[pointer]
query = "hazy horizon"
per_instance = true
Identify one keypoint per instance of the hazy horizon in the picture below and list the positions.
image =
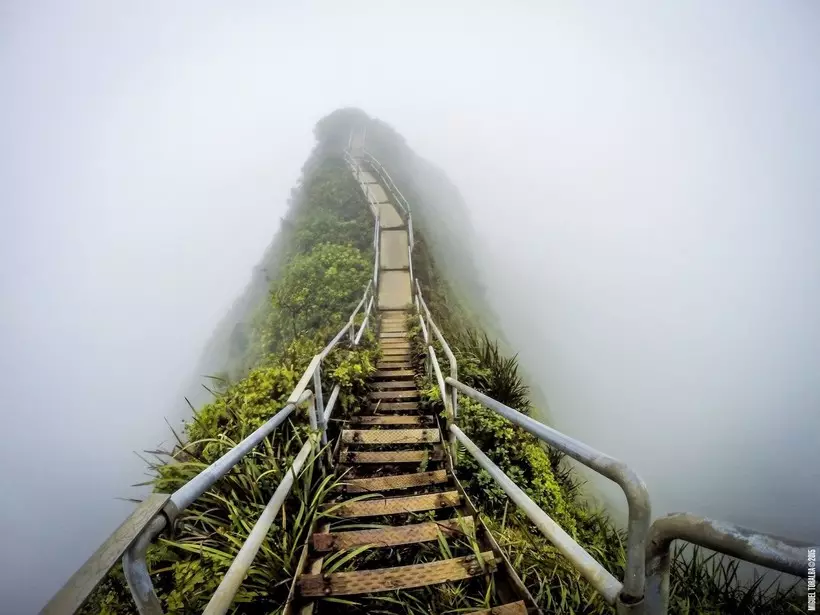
(643, 183)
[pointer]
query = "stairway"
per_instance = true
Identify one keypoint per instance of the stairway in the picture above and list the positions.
(400, 520)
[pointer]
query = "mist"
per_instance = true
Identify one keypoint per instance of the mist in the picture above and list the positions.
(642, 179)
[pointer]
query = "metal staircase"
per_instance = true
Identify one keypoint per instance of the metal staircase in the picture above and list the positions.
(396, 473)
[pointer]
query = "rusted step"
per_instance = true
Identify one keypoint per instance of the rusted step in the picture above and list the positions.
(393, 365)
(400, 577)
(394, 384)
(390, 436)
(387, 406)
(397, 506)
(514, 608)
(393, 536)
(393, 373)
(393, 420)
(393, 394)
(392, 483)
(385, 457)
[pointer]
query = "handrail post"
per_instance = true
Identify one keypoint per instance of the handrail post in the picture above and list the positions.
(320, 404)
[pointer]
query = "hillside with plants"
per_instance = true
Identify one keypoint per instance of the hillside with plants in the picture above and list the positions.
(303, 290)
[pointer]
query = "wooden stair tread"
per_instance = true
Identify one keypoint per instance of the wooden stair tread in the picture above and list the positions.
(393, 365)
(390, 436)
(397, 394)
(385, 457)
(394, 384)
(392, 335)
(400, 481)
(393, 373)
(513, 608)
(393, 536)
(394, 405)
(397, 506)
(397, 342)
(400, 577)
(396, 419)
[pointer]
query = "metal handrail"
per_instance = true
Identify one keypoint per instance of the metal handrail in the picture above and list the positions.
(767, 550)
(598, 576)
(634, 488)
(451, 358)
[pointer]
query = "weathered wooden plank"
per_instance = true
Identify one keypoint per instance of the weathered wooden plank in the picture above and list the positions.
(414, 394)
(390, 436)
(393, 420)
(393, 373)
(398, 506)
(398, 354)
(399, 342)
(514, 608)
(390, 483)
(394, 536)
(394, 384)
(393, 365)
(393, 335)
(387, 406)
(400, 577)
(385, 457)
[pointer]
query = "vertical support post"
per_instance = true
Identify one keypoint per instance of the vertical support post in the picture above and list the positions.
(319, 405)
(312, 413)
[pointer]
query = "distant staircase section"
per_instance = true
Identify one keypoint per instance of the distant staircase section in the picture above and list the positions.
(394, 277)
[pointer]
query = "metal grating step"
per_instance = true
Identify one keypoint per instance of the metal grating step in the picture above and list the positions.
(400, 577)
(394, 536)
(378, 484)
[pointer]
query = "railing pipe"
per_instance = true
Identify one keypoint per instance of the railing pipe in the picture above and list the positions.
(450, 356)
(634, 488)
(331, 402)
(364, 322)
(136, 569)
(767, 550)
(448, 409)
(223, 597)
(606, 584)
(320, 403)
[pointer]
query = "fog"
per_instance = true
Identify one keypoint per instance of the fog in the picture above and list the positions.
(643, 179)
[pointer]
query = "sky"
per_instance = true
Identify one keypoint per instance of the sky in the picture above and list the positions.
(642, 179)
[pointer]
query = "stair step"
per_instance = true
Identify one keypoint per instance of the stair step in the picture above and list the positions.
(400, 577)
(393, 394)
(385, 457)
(395, 342)
(390, 436)
(398, 355)
(513, 608)
(393, 335)
(393, 536)
(394, 384)
(393, 373)
(391, 483)
(393, 420)
(393, 328)
(386, 406)
(397, 506)
(392, 365)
